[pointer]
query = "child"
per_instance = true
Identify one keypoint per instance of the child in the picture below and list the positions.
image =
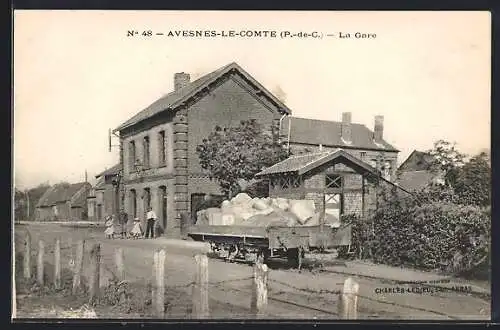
(110, 228)
(136, 231)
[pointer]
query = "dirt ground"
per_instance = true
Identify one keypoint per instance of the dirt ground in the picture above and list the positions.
(307, 294)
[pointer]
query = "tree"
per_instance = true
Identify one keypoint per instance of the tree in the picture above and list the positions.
(447, 159)
(468, 181)
(19, 205)
(34, 195)
(234, 153)
(473, 182)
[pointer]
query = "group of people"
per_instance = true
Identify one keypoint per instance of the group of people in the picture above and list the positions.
(136, 231)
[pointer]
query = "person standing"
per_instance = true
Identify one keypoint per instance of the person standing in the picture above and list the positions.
(123, 224)
(151, 218)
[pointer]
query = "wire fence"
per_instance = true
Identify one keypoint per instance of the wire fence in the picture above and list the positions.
(158, 287)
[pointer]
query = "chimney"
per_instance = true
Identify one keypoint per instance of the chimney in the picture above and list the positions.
(181, 79)
(346, 128)
(378, 129)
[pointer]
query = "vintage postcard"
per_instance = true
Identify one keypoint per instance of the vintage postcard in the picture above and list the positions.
(240, 165)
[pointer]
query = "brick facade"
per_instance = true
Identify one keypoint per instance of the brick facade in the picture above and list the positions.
(353, 198)
(187, 116)
(226, 103)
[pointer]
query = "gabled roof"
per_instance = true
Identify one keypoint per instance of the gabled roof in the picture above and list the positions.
(173, 99)
(328, 133)
(61, 193)
(417, 161)
(110, 171)
(415, 180)
(300, 164)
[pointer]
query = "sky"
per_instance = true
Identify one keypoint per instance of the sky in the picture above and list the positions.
(77, 74)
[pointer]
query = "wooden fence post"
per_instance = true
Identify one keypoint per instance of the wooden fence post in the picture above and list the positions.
(348, 301)
(200, 288)
(259, 289)
(77, 270)
(159, 284)
(153, 281)
(95, 262)
(120, 266)
(41, 253)
(27, 257)
(57, 264)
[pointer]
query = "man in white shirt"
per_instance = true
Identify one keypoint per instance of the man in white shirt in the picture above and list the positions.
(151, 217)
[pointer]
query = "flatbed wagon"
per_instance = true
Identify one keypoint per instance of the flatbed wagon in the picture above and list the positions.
(338, 183)
(251, 243)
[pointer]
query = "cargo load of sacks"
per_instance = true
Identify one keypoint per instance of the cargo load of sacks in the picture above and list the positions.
(243, 210)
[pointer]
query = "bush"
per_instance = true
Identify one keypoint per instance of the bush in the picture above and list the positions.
(430, 231)
(361, 234)
(436, 235)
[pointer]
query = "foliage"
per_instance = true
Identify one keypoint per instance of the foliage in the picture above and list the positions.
(473, 183)
(361, 234)
(442, 227)
(429, 231)
(211, 201)
(446, 158)
(21, 200)
(234, 153)
(258, 189)
(435, 235)
(122, 296)
(468, 181)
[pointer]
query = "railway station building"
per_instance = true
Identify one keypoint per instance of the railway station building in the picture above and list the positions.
(160, 167)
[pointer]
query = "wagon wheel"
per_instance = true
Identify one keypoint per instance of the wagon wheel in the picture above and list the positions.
(263, 256)
(231, 255)
(295, 256)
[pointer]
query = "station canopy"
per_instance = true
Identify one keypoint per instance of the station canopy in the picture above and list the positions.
(301, 164)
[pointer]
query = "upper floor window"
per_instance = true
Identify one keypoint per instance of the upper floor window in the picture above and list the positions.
(333, 181)
(387, 170)
(147, 199)
(131, 154)
(146, 151)
(362, 155)
(162, 148)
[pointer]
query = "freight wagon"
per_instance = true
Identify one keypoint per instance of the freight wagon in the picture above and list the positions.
(261, 243)
(338, 183)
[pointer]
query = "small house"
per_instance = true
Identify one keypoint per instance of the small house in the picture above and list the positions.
(416, 172)
(338, 182)
(104, 195)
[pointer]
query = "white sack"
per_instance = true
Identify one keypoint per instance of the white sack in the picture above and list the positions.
(303, 209)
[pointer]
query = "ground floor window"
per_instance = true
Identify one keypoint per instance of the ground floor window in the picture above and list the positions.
(99, 211)
(133, 203)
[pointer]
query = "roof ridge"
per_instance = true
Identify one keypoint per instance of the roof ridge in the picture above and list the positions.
(311, 153)
(324, 120)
